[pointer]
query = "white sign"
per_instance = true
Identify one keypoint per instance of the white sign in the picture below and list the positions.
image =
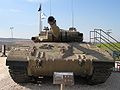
(66, 78)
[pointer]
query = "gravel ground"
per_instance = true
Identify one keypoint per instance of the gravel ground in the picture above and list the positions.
(6, 83)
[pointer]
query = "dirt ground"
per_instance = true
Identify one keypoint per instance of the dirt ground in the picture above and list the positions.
(6, 83)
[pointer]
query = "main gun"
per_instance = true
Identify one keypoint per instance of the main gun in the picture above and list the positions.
(54, 28)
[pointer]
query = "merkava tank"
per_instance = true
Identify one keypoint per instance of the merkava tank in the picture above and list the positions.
(57, 50)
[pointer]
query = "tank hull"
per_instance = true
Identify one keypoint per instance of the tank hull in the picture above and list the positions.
(29, 62)
(47, 68)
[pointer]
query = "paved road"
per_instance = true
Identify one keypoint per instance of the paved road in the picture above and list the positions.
(6, 83)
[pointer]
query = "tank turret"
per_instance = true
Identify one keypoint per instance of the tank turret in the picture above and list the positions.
(55, 34)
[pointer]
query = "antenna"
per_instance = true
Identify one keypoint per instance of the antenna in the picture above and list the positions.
(40, 22)
(72, 8)
(50, 7)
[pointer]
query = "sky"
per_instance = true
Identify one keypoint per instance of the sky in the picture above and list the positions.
(23, 15)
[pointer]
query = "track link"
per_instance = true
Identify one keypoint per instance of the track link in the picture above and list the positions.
(100, 75)
(19, 74)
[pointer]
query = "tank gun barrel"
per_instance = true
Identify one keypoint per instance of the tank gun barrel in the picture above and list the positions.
(54, 28)
(51, 20)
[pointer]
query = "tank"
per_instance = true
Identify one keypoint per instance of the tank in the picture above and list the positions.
(58, 50)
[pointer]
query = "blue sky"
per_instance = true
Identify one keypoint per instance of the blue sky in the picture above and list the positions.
(88, 14)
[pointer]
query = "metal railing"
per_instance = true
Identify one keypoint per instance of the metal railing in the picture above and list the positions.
(100, 36)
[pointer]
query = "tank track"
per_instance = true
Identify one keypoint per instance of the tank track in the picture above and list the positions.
(19, 74)
(100, 75)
